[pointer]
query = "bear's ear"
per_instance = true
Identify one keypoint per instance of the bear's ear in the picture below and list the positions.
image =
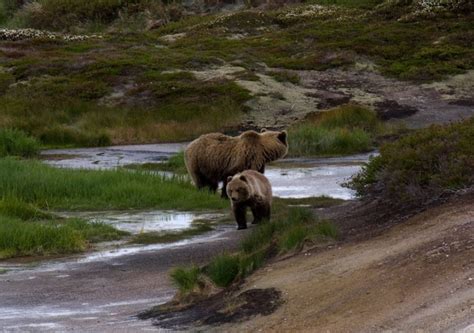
(229, 178)
(250, 136)
(243, 178)
(283, 136)
(263, 130)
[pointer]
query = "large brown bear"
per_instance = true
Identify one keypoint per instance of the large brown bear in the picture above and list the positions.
(213, 157)
(249, 189)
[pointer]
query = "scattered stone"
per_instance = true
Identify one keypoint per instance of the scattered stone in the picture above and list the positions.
(156, 24)
(463, 102)
(173, 37)
(21, 34)
(389, 109)
(330, 99)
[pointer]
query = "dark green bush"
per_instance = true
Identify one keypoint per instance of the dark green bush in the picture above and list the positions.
(17, 143)
(421, 167)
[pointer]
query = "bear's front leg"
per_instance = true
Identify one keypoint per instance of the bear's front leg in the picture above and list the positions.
(240, 211)
(260, 212)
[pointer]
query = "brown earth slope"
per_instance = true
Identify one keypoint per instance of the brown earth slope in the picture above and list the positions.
(416, 276)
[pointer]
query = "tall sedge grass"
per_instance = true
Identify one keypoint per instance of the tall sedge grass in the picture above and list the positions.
(19, 238)
(186, 279)
(14, 207)
(43, 237)
(287, 232)
(223, 269)
(17, 143)
(345, 130)
(47, 187)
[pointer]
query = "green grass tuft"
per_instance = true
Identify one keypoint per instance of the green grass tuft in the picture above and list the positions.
(14, 207)
(186, 279)
(17, 143)
(223, 269)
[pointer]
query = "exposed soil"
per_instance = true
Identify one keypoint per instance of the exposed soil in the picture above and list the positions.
(224, 307)
(279, 104)
(415, 275)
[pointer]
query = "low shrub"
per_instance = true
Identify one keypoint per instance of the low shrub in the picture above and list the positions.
(421, 167)
(17, 143)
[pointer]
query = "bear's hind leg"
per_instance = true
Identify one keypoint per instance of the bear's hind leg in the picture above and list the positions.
(261, 212)
(202, 182)
(224, 189)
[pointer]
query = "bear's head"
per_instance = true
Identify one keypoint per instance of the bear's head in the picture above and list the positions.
(272, 145)
(238, 190)
(275, 143)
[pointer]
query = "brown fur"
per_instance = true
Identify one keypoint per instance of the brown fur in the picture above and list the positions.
(250, 189)
(213, 157)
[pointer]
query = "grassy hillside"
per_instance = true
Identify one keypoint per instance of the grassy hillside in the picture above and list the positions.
(132, 85)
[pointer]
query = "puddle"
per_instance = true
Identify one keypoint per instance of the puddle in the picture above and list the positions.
(324, 180)
(303, 177)
(66, 317)
(110, 157)
(137, 222)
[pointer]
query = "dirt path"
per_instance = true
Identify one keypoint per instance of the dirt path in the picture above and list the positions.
(98, 296)
(417, 276)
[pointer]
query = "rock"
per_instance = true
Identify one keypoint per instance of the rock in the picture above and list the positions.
(389, 109)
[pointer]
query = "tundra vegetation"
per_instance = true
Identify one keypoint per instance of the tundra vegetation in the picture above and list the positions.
(422, 167)
(290, 229)
(141, 78)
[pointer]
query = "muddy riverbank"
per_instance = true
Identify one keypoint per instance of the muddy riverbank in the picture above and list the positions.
(103, 294)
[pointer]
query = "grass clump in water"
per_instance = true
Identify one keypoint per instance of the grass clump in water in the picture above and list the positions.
(348, 129)
(25, 231)
(44, 186)
(174, 164)
(17, 143)
(171, 237)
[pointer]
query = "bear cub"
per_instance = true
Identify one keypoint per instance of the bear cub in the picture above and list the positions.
(249, 189)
